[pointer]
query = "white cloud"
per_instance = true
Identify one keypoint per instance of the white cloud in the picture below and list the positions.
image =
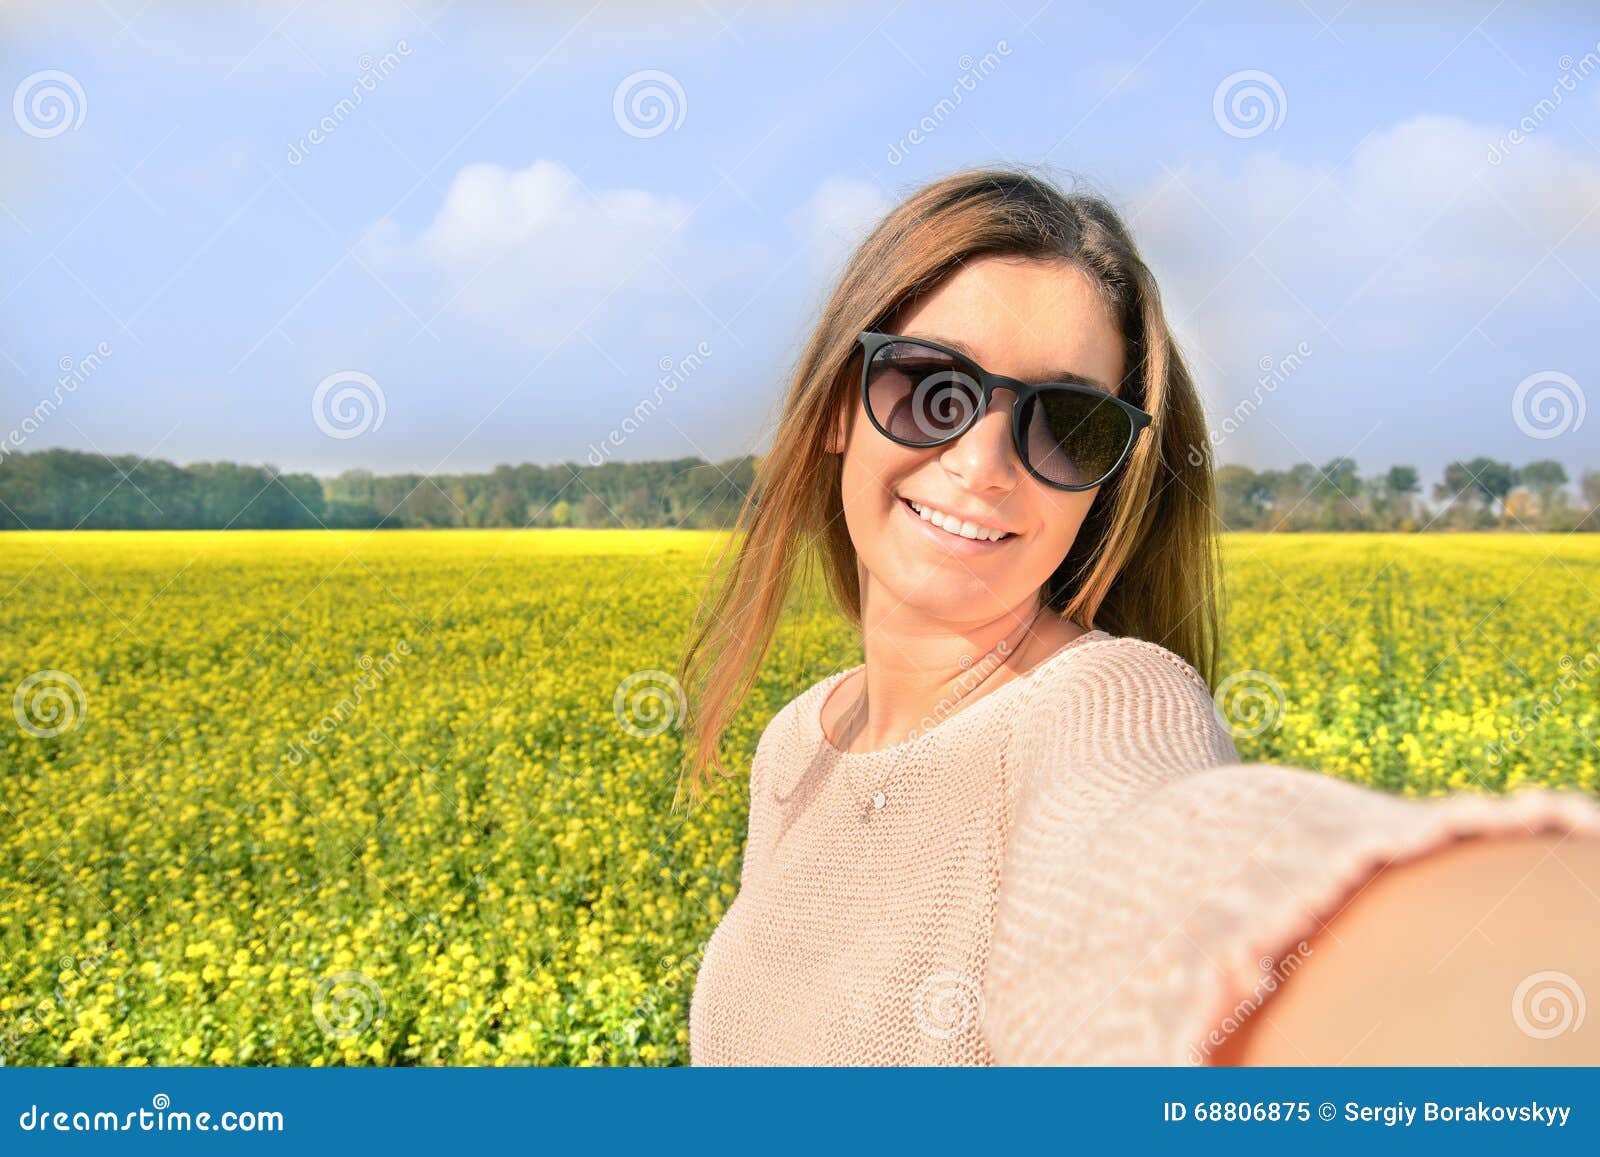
(1415, 220)
(1417, 272)
(837, 217)
(532, 258)
(545, 211)
(536, 251)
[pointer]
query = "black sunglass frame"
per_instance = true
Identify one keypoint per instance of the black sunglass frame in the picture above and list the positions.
(871, 341)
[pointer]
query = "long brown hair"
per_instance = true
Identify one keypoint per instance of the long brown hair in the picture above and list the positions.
(1145, 561)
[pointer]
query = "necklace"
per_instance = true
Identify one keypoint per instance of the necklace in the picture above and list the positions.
(874, 801)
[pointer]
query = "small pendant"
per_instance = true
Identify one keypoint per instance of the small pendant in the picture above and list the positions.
(874, 803)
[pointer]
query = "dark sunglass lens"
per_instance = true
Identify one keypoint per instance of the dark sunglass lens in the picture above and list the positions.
(1075, 439)
(919, 395)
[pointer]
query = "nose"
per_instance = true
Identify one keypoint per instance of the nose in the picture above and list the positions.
(985, 457)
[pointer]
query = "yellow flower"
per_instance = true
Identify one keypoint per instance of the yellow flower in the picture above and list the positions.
(469, 861)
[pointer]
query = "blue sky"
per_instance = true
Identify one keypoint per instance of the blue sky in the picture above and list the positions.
(486, 240)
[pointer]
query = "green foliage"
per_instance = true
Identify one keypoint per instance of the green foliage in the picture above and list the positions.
(65, 490)
(68, 490)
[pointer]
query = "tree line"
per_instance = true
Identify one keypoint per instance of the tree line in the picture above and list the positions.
(69, 489)
(1479, 494)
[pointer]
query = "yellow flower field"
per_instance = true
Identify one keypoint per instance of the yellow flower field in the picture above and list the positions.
(402, 798)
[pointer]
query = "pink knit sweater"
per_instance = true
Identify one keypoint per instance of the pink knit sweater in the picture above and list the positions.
(1074, 868)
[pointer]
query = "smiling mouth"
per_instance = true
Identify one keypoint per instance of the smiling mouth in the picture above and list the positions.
(950, 524)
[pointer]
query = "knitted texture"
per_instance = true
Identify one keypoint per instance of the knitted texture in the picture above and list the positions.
(1074, 868)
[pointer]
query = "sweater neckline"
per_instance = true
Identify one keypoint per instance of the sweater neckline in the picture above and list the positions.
(813, 714)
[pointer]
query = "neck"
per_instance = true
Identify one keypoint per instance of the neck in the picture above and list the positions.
(919, 670)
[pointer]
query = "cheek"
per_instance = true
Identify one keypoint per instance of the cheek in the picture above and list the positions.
(859, 494)
(1063, 517)
(872, 464)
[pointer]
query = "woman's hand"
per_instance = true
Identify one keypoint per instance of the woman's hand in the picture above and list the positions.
(1483, 952)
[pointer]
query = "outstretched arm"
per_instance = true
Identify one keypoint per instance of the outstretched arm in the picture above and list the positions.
(1160, 904)
(1482, 952)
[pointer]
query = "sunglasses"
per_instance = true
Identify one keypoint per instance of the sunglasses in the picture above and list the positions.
(1069, 435)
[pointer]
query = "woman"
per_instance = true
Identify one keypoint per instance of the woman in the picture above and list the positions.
(1020, 832)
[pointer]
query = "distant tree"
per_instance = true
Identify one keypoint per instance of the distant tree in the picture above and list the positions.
(1545, 478)
(507, 508)
(1482, 480)
(63, 489)
(637, 508)
(1402, 480)
(1243, 496)
(1337, 493)
(428, 505)
(1456, 482)
(1589, 488)
(1493, 480)
(340, 515)
(1398, 486)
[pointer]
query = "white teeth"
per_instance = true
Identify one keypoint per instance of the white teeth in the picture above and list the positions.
(954, 525)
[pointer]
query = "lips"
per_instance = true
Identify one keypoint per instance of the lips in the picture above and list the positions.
(951, 525)
(955, 524)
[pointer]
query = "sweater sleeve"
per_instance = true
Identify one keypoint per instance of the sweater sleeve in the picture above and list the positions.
(1151, 887)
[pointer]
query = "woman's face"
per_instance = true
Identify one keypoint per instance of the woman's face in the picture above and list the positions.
(1025, 319)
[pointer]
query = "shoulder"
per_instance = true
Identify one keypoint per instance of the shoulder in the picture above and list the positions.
(1136, 665)
(792, 734)
(783, 751)
(780, 732)
(1119, 708)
